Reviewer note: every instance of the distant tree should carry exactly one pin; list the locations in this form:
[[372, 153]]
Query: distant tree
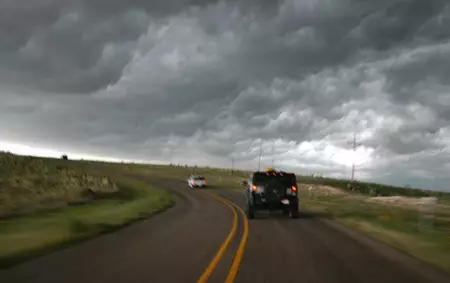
[[64, 157]]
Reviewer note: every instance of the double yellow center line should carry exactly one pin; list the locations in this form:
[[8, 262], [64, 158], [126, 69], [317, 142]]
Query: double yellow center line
[[240, 251]]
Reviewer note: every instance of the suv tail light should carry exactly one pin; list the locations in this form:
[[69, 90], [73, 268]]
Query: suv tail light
[[254, 187], [294, 188]]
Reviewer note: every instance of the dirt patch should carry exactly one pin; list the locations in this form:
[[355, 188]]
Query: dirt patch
[[407, 202], [321, 189], [399, 200]]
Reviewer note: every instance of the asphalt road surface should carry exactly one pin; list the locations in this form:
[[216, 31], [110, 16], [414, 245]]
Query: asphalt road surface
[[206, 238]]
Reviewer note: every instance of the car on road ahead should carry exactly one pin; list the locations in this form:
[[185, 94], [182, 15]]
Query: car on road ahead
[[271, 190], [197, 181]]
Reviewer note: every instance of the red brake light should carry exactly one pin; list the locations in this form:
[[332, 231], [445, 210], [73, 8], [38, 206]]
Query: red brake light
[[294, 188], [254, 187]]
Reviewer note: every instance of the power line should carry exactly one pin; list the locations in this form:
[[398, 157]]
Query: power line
[[273, 154]]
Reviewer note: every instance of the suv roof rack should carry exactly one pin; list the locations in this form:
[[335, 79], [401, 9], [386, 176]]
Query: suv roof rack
[[271, 170]]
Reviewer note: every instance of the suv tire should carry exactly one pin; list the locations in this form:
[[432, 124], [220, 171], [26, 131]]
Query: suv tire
[[294, 211], [294, 214]]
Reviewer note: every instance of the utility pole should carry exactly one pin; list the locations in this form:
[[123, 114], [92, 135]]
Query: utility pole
[[354, 151], [273, 155], [260, 153], [355, 145]]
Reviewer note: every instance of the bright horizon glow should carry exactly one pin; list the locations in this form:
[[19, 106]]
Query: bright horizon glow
[[338, 155], [27, 150], [348, 157], [332, 153], [22, 149]]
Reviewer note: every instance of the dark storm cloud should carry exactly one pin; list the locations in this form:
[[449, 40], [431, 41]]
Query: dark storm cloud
[[396, 22], [78, 45], [74, 54], [81, 46], [427, 68], [213, 77]]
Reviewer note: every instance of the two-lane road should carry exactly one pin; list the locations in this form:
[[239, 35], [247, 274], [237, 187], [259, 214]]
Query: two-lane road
[[206, 238]]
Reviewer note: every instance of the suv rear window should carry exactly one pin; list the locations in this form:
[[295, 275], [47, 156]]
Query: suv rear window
[[262, 178]]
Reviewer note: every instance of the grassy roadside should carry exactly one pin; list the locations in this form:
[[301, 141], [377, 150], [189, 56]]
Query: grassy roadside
[[31, 184], [403, 228], [23, 237]]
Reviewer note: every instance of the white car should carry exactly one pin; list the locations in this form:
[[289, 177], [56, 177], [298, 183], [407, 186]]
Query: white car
[[196, 181]]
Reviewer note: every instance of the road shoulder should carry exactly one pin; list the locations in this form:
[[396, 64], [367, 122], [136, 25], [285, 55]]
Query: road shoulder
[[428, 271]]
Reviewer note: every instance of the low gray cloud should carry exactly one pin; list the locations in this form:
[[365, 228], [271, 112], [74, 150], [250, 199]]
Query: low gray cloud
[[203, 81]]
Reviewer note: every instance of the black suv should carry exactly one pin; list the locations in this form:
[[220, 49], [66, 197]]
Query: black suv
[[271, 190]]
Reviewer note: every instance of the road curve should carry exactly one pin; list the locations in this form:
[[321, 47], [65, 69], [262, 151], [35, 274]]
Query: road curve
[[203, 232], [174, 246]]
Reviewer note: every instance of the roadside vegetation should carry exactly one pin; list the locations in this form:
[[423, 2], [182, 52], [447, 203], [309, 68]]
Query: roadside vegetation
[[30, 184], [420, 230], [47, 204], [372, 189]]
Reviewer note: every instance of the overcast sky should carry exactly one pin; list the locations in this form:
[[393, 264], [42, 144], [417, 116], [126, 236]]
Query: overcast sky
[[198, 81]]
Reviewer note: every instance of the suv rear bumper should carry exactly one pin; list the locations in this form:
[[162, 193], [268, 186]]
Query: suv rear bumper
[[278, 205]]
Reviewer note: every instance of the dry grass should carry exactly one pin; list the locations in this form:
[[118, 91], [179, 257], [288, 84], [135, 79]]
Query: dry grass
[[29, 184]]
